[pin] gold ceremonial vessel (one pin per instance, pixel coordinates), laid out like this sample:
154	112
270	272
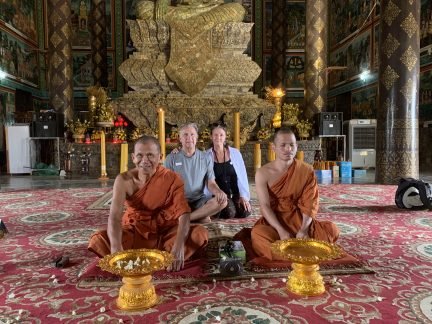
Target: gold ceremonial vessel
136	268
306	254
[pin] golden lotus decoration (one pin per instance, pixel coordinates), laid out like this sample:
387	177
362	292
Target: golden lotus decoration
303	128
290	113
137	291
306	254
263	134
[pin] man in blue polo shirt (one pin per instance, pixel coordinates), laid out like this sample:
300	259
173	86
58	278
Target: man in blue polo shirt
196	169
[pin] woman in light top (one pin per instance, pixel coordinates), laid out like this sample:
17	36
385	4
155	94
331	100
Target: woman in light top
230	172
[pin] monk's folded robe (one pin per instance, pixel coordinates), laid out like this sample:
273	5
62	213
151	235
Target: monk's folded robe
296	192
151	218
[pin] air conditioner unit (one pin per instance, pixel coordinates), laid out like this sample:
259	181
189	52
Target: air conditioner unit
362	143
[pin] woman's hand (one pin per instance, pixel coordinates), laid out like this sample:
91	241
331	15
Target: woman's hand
245	204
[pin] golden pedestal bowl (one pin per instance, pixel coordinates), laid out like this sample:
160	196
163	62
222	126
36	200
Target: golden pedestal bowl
306	254
136	268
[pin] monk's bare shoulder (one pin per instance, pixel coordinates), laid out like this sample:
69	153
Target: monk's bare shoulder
126	176
265	174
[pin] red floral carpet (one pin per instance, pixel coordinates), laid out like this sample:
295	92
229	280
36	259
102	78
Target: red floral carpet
44	224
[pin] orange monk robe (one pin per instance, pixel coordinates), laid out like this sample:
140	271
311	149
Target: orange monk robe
294	193
151	218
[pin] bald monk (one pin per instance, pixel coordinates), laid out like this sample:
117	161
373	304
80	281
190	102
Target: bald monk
157	214
287	191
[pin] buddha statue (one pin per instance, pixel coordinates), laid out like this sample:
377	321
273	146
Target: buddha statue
191	62
219	11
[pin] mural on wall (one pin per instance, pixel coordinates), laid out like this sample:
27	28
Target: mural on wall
80	16
355	55
296	28
7	107
426	23
426	57
363	103
294	76
18	59
20	16
82	70
296	25
346	17
425	99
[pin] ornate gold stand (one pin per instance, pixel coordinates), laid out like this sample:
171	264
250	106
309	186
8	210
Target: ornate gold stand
306	254
137	293
305	280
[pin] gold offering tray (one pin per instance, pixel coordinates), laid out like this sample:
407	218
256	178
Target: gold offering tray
149	261
306	251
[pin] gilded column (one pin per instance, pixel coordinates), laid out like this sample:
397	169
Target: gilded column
316	56
397	148
279	41
97	26
60	57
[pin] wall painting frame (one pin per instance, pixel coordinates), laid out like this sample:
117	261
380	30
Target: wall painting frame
18	59
82	70
80	17
355	55
20	17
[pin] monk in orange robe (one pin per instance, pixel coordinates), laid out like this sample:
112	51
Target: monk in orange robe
157	214
287	191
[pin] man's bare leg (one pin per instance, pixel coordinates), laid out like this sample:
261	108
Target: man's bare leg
210	208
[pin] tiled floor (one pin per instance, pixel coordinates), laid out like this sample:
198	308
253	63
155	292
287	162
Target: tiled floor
22	182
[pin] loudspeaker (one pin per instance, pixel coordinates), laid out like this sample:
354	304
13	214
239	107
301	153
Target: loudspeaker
48	124
329	123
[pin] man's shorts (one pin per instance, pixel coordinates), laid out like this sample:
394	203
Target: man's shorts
194	205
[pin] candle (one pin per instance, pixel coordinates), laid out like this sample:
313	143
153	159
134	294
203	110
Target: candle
237	130
257	156
271	156
161	123
124	157
103	156
300	155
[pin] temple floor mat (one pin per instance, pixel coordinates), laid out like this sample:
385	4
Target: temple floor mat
389	279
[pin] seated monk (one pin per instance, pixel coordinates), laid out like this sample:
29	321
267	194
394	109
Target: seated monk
157	213
287	191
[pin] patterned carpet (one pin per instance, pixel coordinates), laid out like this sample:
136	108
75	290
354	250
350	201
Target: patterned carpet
44	224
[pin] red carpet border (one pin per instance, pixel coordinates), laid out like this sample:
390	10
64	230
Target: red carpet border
44	224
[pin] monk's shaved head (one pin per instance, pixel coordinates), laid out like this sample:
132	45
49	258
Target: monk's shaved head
282	131
148	139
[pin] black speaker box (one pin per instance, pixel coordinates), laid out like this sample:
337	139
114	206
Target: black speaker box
329	123
48	125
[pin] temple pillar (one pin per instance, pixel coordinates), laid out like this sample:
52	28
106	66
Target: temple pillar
397	148
316	56
60	84
97	26
279	41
